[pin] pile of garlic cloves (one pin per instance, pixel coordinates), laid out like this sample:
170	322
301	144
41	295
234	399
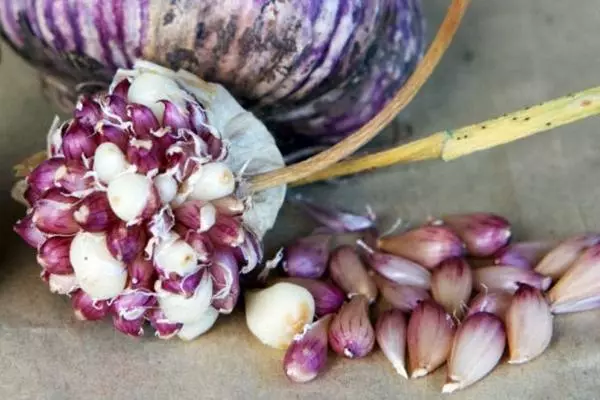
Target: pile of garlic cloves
455	291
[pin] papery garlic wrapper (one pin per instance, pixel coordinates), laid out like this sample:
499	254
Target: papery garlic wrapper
145	186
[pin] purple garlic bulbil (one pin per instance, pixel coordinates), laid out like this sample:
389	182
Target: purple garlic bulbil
135	214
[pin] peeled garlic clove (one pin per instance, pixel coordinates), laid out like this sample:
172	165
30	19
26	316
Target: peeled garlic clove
427	245
276	314
523	254
390	333
507	278
191	330
528	325
307	257
558	260
402	297
349	273
494	302
132	196
175	256
307	355
185	309
328	297
451	285
215	181
476	350
483	233
109	162
98	273
351	334
579	287
397	269
429	336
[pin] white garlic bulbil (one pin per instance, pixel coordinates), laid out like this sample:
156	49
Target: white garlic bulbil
109	162
190	331
176	256
98	273
166	186
186	310
276	314
149	88
128	194
213	182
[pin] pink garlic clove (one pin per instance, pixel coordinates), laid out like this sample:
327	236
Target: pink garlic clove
121	88
528	325
53	255
124	242
306	356
27	230
390	333
482	233
397	269
402	297
143	120
200	242
174	117
145	155
227	231
229	205
133	327
349	273
196	214
142	274
351	334
451	285
250	252
87	112
560	259
427	245
476	350
88	309
328	297
94	214
507	278
429	336
53	214
116	135
494	302
74	178
164	329
133	304
115	108
579	288
182	285
523	254
79	141
337	220
197	117
307	257
224	271
43	177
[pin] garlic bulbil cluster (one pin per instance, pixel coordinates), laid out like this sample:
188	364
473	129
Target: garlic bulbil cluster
139	214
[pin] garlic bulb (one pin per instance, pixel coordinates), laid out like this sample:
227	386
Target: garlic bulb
276	314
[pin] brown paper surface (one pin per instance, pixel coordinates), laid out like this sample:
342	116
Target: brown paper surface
507	55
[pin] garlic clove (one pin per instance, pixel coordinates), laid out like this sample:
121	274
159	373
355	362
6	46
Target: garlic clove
164	329
114	134
397	269
579	288
349	273
125	242
130	327
483	233
88	309
336	220
508	278
167	187
98	273
494	302
185	309
227	231
429	337
224	272
427	245
528	325
351	334
307	257
27	230
523	254
175	256
306	356
196	214
192	330
109	162
391	338
53	255
276	314
53	214
129	196
61	284
477	348
93	213
402	297
149	88
451	285
560	259
328	297
215	181
229	205
79	141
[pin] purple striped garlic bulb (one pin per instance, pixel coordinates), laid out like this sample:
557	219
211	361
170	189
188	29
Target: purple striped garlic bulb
139	213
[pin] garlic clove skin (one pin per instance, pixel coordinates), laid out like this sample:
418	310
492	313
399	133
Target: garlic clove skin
98	273
494	302
579	288
349	273
109	162
560	259
276	314
429	336
185	309
192	330
508	278
477	348
390	333
528	325
451	285
215	181
351	334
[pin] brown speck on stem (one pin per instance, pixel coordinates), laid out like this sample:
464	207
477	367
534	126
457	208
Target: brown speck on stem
586	103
